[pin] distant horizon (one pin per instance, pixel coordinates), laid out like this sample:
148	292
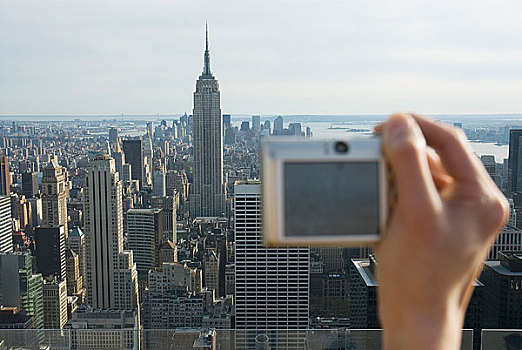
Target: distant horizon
135	117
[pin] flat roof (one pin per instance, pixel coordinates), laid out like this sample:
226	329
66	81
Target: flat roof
495	265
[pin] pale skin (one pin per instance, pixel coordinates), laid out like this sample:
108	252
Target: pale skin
448	214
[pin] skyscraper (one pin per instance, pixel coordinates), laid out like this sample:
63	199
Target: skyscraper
5	177
54	196
145	237
113	135
278	125
112	280
207	195
271	284
50	251
19	287
256	124
6	227
514	176
134	156
30	184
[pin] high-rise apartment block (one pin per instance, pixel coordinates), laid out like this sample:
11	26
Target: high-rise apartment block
50	251
271	284
54	304
207	195
54	196
5	177
6	227
19	287
112	280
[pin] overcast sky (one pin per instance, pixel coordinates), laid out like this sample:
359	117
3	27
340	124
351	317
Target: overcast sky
270	57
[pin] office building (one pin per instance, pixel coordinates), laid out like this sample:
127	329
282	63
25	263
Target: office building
207	196
502	279
119	158
54	303
50	251
5	177
30	184
256	124
104	329
278	125
113	135
514	176
168	253
134	157
147	160
211	271
271	284
364	312
76	242
159	182
6	227
509	239
19	287
145	237
168	210
54	196
74	278
112	280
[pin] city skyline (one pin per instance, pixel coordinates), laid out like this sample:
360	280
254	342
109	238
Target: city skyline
336	59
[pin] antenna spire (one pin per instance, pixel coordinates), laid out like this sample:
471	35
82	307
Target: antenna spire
206	66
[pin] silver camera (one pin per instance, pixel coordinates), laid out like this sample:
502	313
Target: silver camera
331	192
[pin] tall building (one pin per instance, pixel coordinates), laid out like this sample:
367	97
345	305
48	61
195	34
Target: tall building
19	287
113	135
515	161
278	125
5	177
159	182
30	184
76	242
112	280
134	157
168	210
54	196
509	239
74	278
147	159
211	270
119	158
50	251
6	227
271	284
207	195
54	304
145	237
503	298
256	124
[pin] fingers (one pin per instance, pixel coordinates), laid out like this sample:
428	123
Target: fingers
405	147
455	152
440	176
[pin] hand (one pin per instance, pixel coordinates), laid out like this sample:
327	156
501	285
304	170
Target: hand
448	214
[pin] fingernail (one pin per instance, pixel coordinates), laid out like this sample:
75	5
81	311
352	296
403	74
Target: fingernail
397	129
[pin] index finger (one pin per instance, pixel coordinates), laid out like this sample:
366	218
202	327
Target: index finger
453	148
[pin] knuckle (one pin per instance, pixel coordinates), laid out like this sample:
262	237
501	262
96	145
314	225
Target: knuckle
407	149
496	213
457	135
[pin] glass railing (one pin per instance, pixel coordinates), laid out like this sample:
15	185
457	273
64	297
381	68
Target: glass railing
197	338
500	339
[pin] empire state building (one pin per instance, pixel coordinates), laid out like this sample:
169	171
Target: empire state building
207	191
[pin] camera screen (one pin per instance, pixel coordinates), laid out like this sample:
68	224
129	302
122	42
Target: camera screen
337	198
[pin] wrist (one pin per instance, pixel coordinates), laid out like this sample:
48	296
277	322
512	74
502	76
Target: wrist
435	325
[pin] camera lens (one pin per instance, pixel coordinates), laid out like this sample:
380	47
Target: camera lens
341	147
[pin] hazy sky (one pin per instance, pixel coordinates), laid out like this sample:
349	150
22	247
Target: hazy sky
271	57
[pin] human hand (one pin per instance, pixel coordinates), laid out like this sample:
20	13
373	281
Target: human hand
448	214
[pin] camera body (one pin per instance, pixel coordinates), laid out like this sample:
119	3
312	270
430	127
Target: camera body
323	192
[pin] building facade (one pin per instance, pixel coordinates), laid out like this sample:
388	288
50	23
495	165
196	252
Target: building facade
5	177
207	192
272	285
50	251
145	237
6	227
112	280
54	304
54	196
